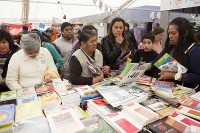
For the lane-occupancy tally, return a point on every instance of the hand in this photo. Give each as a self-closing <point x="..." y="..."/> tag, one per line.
<point x="105" y="69"/>
<point x="47" y="78"/>
<point x="166" y="75"/>
<point x="119" y="39"/>
<point x="98" y="78"/>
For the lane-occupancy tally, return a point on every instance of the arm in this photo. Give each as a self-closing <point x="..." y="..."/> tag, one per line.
<point x="75" y="73"/>
<point x="56" y="56"/>
<point x="12" y="77"/>
<point x="193" y="76"/>
<point x="110" y="54"/>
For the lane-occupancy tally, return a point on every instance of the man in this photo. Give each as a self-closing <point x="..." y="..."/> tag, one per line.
<point x="132" y="44"/>
<point x="47" y="34"/>
<point x="64" y="44"/>
<point x="5" y="27"/>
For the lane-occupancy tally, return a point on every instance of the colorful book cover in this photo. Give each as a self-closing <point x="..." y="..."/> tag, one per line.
<point x="189" y="112"/>
<point x="26" y="99"/>
<point x="49" y="98"/>
<point x="65" y="90"/>
<point x="26" y="91"/>
<point x="168" y="63"/>
<point x="8" y="95"/>
<point x="44" y="87"/>
<point x="161" y="127"/>
<point x="144" y="79"/>
<point x="191" y="103"/>
<point x="86" y="90"/>
<point x="164" y="85"/>
<point x="95" y="70"/>
<point x="7" y="114"/>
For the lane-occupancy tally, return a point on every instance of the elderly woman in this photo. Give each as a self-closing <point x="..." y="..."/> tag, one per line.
<point x="31" y="65"/>
<point x="82" y="60"/>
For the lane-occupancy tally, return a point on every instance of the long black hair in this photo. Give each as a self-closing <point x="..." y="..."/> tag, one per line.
<point x="186" y="38"/>
<point x="111" y="35"/>
<point x="8" y="37"/>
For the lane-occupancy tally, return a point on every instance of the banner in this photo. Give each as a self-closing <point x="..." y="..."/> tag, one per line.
<point x="16" y="28"/>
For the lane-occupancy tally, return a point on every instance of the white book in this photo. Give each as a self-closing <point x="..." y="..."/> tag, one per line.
<point x="26" y="91"/>
<point x="64" y="121"/>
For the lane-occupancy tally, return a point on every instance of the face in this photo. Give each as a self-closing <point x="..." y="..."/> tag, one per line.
<point x="117" y="29"/>
<point x="32" y="53"/>
<point x="147" y="45"/>
<point x="173" y="34"/>
<point x="91" y="44"/>
<point x="49" y="34"/>
<point x="4" y="46"/>
<point x="159" y="37"/>
<point x="68" y="33"/>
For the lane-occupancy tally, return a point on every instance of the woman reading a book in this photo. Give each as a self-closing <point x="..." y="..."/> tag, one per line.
<point x="115" y="43"/>
<point x="86" y="64"/>
<point x="180" y="44"/>
<point x="31" y="65"/>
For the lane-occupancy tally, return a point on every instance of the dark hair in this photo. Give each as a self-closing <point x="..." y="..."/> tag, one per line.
<point x="89" y="27"/>
<point x="127" y="25"/>
<point x="148" y="35"/>
<point x="158" y="30"/>
<point x="65" y="24"/>
<point x="7" y="36"/>
<point x="186" y="38"/>
<point x="25" y="28"/>
<point x="86" y="35"/>
<point x="110" y="34"/>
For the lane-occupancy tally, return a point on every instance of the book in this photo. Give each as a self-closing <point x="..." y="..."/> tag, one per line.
<point x="132" y="71"/>
<point x="26" y="91"/>
<point x="123" y="57"/>
<point x="161" y="127"/>
<point x="12" y="101"/>
<point x="44" y="87"/>
<point x="164" y="85"/>
<point x="65" y="120"/>
<point x="196" y="96"/>
<point x="8" y="95"/>
<point x="26" y="99"/>
<point x="28" y="110"/>
<point x="154" y="104"/>
<point x="6" y="128"/>
<point x="188" y="102"/>
<point x="123" y="123"/>
<point x="168" y="63"/>
<point x="189" y="112"/>
<point x="86" y="90"/>
<point x="144" y="79"/>
<point x="7" y="114"/>
<point x="94" y="69"/>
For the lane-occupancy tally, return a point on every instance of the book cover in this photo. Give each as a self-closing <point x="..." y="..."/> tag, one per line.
<point x="26" y="91"/>
<point x="65" y="90"/>
<point x="65" y="120"/>
<point x="144" y="79"/>
<point x="188" y="102"/>
<point x="164" y="85"/>
<point x="196" y="96"/>
<point x="86" y="90"/>
<point x="123" y="57"/>
<point x="44" y="87"/>
<point x="94" y="69"/>
<point x="28" y="110"/>
<point x="189" y="112"/>
<point x="168" y="63"/>
<point x="8" y="95"/>
<point x="161" y="127"/>
<point x="7" y="114"/>
<point x="49" y="98"/>
<point x="26" y="99"/>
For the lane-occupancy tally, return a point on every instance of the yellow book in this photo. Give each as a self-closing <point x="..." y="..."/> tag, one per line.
<point x="28" y="110"/>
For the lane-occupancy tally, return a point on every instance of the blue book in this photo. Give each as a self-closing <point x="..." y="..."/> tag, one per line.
<point x="7" y="113"/>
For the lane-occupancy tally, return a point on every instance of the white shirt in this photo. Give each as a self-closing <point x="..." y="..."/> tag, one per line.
<point x="24" y="71"/>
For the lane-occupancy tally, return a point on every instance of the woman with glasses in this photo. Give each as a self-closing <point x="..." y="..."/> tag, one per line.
<point x="31" y="65"/>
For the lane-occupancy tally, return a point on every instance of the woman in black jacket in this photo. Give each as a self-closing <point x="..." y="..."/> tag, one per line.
<point x="114" y="43"/>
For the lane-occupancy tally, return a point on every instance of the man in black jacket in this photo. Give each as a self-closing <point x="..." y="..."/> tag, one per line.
<point x="47" y="35"/>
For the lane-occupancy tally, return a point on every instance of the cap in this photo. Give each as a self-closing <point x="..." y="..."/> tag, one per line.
<point x="49" y="30"/>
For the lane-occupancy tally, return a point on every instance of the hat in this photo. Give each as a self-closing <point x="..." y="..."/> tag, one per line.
<point x="49" y="30"/>
<point x="30" y="41"/>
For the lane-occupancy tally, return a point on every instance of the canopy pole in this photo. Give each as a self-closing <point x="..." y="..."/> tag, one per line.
<point x="25" y="11"/>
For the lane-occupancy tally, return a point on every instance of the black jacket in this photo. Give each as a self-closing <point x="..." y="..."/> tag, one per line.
<point x="46" y="38"/>
<point x="110" y="53"/>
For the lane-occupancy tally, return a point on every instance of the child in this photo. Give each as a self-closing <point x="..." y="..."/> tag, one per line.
<point x="147" y="54"/>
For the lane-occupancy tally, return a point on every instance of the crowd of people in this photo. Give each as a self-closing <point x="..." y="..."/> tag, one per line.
<point x="39" y="57"/>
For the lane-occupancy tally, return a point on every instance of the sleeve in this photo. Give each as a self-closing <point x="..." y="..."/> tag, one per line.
<point x="12" y="77"/>
<point x="135" y="57"/>
<point x="51" y="68"/>
<point x="110" y="54"/>
<point x="75" y="73"/>
<point x="56" y="56"/>
<point x="193" y="76"/>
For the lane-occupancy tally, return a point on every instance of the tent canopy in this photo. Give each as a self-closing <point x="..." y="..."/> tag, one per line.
<point x="48" y="9"/>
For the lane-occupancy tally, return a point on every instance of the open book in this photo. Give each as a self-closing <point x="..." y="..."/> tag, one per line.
<point x="123" y="57"/>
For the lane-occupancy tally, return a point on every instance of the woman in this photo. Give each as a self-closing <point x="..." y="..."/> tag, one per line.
<point x="178" y="43"/>
<point x="115" y="43"/>
<point x="31" y="65"/>
<point x="80" y="62"/>
<point x="7" y="49"/>
<point x="159" y="33"/>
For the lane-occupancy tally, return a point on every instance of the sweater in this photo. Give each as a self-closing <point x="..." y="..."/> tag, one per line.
<point x="24" y="72"/>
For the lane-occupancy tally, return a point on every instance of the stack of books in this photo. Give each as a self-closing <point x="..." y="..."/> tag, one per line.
<point x="145" y="80"/>
<point x="68" y="95"/>
<point x="8" y="97"/>
<point x="117" y="96"/>
<point x="86" y="92"/>
<point x="100" y="107"/>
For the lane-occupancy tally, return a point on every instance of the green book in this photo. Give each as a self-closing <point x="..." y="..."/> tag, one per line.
<point x="126" y="70"/>
<point x="8" y="95"/>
